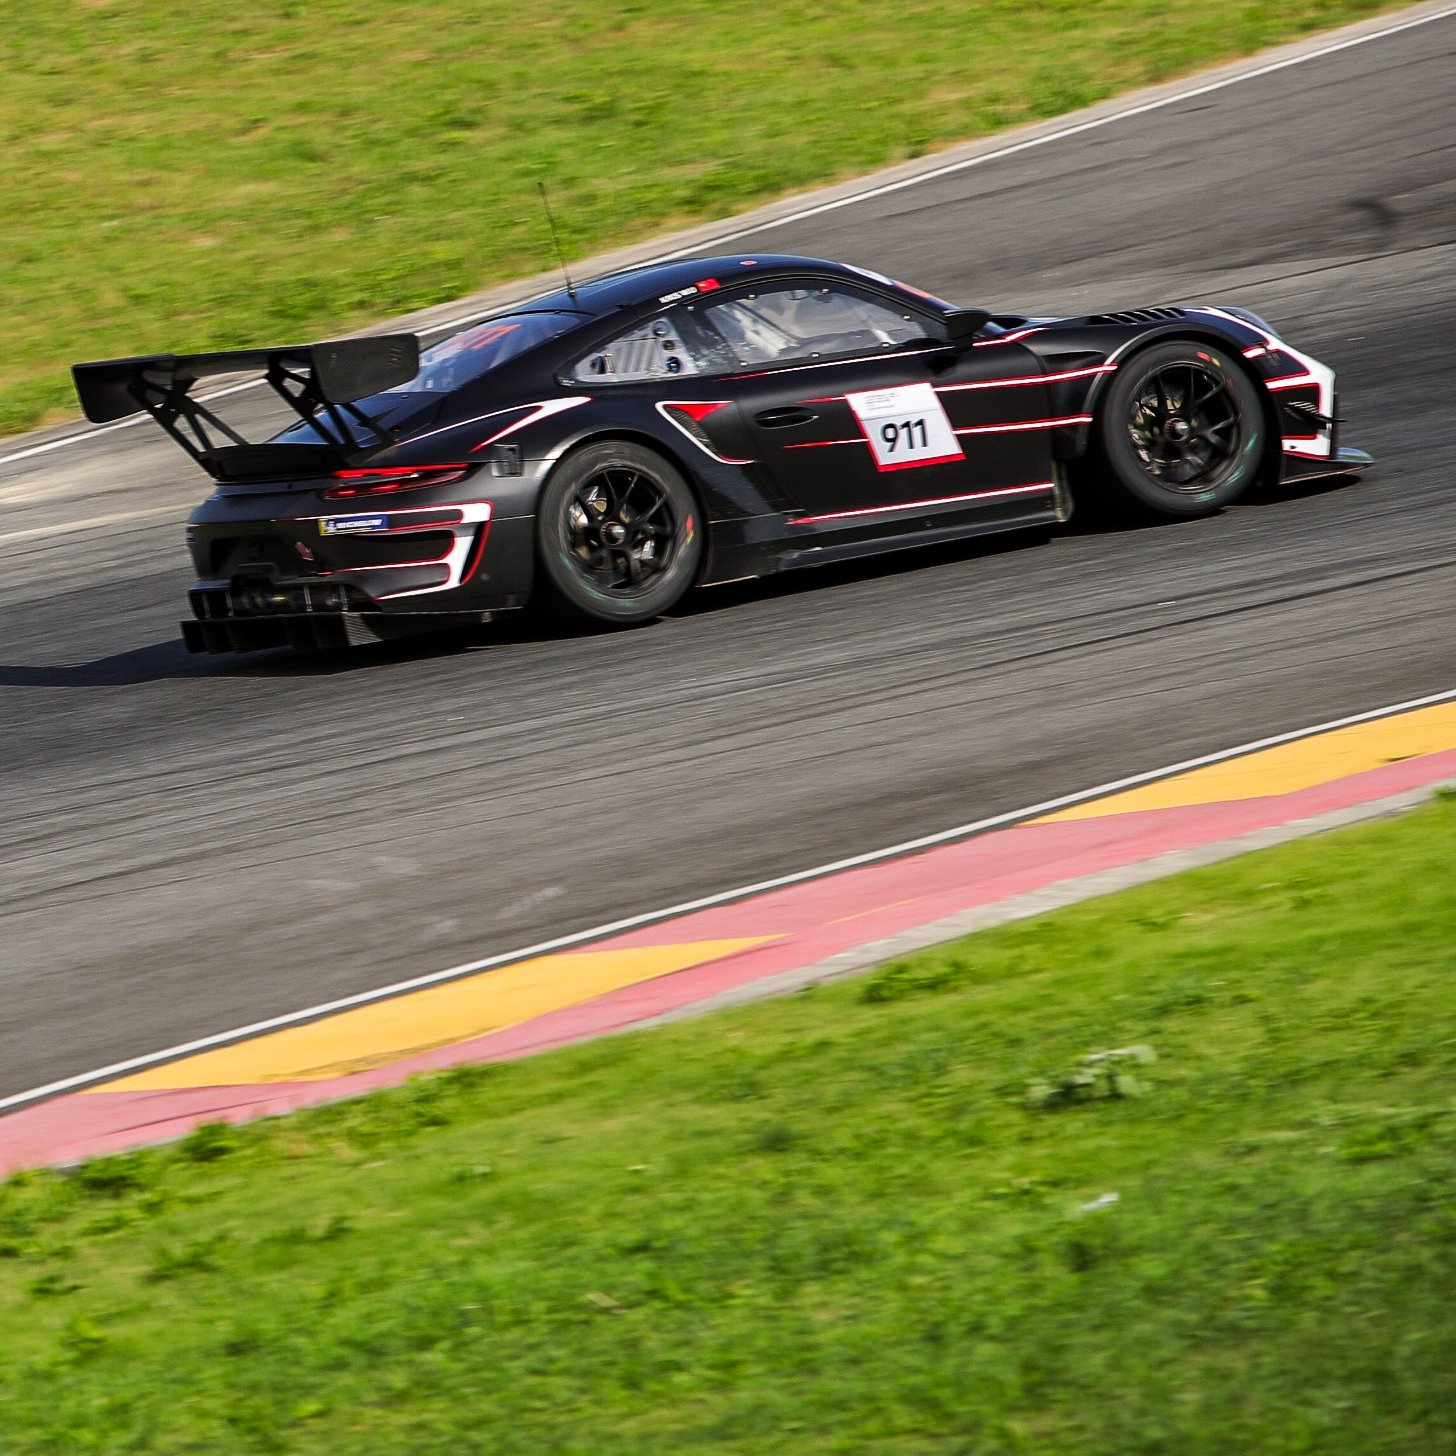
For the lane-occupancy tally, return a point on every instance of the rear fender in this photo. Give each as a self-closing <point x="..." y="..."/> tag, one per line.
<point x="701" y="495"/>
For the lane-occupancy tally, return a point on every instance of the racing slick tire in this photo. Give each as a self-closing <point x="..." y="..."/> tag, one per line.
<point x="1181" y="432"/>
<point x="619" y="535"/>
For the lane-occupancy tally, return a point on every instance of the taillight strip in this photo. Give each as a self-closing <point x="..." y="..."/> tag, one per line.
<point x="387" y="479"/>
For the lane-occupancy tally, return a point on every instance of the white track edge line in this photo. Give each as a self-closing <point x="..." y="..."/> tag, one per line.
<point x="792" y="217"/>
<point x="706" y="902"/>
<point x="1141" y="109"/>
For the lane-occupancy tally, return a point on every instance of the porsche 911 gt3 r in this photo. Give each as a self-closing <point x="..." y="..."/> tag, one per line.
<point x="610" y="446"/>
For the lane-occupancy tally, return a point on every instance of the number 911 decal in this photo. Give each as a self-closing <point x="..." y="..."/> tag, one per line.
<point x="905" y="426"/>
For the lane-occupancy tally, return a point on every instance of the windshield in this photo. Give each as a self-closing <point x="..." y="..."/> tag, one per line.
<point x="466" y="356"/>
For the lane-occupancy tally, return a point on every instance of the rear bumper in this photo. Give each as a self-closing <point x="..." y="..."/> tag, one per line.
<point x="267" y="602"/>
<point x="308" y="614"/>
<point x="316" y="631"/>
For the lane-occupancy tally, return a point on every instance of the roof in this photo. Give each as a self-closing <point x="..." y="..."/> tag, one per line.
<point x="665" y="282"/>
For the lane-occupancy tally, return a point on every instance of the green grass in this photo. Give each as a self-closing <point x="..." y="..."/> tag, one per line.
<point x="215" y="174"/>
<point x="876" y="1217"/>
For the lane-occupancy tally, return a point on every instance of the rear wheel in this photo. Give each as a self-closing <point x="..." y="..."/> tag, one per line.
<point x="1181" y="432"/>
<point x="618" y="534"/>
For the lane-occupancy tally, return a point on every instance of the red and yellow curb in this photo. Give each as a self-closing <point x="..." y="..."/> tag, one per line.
<point x="624" y="979"/>
<point x="405" y="1027"/>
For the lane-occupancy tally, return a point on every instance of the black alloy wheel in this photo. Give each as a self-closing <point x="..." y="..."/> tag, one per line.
<point x="1180" y="432"/>
<point x="619" y="534"/>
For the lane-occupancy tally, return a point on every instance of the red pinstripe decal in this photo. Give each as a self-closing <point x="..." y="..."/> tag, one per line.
<point x="1026" y="425"/>
<point x="939" y="500"/>
<point x="1027" y="379"/>
<point x="1020" y="379"/>
<point x="967" y="430"/>
<point x="916" y="464"/>
<point x="476" y="552"/>
<point x="834" y="363"/>
<point x="1008" y="338"/>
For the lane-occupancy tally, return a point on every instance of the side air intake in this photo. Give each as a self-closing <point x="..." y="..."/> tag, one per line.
<point x="1139" y="316"/>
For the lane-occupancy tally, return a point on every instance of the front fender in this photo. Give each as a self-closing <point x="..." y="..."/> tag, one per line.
<point x="1084" y="397"/>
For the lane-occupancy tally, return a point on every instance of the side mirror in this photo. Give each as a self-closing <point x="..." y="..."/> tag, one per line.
<point x="963" y="324"/>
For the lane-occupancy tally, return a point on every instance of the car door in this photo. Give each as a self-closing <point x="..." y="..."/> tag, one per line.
<point x="859" y="407"/>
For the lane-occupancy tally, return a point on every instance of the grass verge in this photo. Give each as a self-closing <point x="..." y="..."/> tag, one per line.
<point x="214" y="175"/>
<point x="901" y="1214"/>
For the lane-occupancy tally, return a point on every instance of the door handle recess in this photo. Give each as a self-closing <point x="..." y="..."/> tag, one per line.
<point x="791" y="415"/>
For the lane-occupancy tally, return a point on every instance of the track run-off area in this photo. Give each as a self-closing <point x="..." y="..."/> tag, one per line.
<point x="193" y="845"/>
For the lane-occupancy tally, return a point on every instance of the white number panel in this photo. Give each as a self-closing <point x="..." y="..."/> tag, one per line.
<point x="905" y="426"/>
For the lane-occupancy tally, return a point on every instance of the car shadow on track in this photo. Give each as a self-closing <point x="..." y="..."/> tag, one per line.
<point x="119" y="669"/>
<point x="170" y="659"/>
<point x="161" y="661"/>
<point x="902" y="562"/>
<point x="1273" y="495"/>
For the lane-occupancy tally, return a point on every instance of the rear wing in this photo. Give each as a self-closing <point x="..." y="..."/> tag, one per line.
<point x="318" y="382"/>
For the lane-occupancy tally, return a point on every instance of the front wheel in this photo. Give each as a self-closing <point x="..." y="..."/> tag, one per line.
<point x="618" y="534"/>
<point x="1180" y="433"/>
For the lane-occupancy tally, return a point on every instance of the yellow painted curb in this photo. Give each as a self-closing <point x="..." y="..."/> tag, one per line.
<point x="1289" y="767"/>
<point x="387" y="1031"/>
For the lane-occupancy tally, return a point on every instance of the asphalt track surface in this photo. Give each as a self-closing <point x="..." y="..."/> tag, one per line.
<point x="191" y="844"/>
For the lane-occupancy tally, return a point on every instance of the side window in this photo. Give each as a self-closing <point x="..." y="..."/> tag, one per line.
<point x="809" y="321"/>
<point x="654" y="349"/>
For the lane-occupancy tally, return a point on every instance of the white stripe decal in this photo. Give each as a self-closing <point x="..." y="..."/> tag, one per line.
<point x="509" y="409"/>
<point x="542" y="411"/>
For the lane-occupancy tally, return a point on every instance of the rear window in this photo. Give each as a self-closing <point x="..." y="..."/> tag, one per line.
<point x="475" y="351"/>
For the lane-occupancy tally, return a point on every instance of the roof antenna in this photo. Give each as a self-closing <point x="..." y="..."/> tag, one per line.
<point x="556" y="238"/>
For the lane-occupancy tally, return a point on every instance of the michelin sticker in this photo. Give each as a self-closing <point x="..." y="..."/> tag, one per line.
<point x="351" y="525"/>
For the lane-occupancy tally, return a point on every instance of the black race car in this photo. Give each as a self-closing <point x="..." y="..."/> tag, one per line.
<point x="611" y="445"/>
